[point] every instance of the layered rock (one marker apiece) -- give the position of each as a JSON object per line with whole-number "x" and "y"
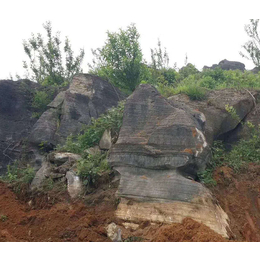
{"x": 160, "y": 149}
{"x": 88, "y": 96}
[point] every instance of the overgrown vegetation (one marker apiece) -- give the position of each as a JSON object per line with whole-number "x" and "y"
{"x": 19, "y": 175}
{"x": 244, "y": 152}
{"x": 93, "y": 166}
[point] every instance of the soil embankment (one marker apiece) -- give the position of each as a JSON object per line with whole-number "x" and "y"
{"x": 59, "y": 219}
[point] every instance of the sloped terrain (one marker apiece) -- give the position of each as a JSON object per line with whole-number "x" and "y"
{"x": 57, "y": 218}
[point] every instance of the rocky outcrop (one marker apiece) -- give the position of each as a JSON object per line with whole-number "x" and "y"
{"x": 162, "y": 145}
{"x": 88, "y": 96}
{"x": 227, "y": 65}
{"x": 60, "y": 166}
{"x": 219, "y": 122}
{"x": 15, "y": 118}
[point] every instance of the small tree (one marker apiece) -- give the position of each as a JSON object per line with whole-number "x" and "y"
{"x": 160, "y": 59}
{"x": 46, "y": 63}
{"x": 252, "y": 47}
{"x": 119, "y": 60}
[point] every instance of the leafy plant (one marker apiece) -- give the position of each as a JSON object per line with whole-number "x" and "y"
{"x": 252, "y": 47}
{"x": 3, "y": 218}
{"x": 120, "y": 59}
{"x": 17, "y": 173}
{"x": 90, "y": 168}
{"x": 46, "y": 64}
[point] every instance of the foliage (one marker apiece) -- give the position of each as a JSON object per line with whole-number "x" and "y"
{"x": 3, "y": 218}
{"x": 120, "y": 59}
{"x": 188, "y": 70}
{"x": 244, "y": 152}
{"x": 252, "y": 47}
{"x": 92, "y": 133}
{"x": 40, "y": 101}
{"x": 19, "y": 176}
{"x": 46, "y": 64}
{"x": 218, "y": 155}
{"x": 91, "y": 167}
{"x": 160, "y": 59}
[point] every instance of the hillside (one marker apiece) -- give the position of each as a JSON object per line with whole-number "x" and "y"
{"x": 164, "y": 163}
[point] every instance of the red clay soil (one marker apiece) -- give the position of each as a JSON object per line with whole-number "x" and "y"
{"x": 239, "y": 195}
{"x": 48, "y": 219}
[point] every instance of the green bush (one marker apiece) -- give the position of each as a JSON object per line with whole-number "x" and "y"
{"x": 19, "y": 176}
{"x": 91, "y": 167}
{"x": 40, "y": 101}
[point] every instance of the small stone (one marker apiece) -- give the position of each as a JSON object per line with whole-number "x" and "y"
{"x": 61, "y": 158}
{"x": 131, "y": 226}
{"x": 114, "y": 232}
{"x": 74, "y": 184}
{"x": 93, "y": 150}
{"x": 106, "y": 140}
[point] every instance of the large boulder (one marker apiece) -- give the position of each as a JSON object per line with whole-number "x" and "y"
{"x": 157, "y": 135}
{"x": 219, "y": 122}
{"x": 88, "y": 96}
{"x": 15, "y": 118}
{"x": 162, "y": 145}
{"x": 228, "y": 65}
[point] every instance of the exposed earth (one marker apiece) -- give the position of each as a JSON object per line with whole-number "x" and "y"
{"x": 55, "y": 217}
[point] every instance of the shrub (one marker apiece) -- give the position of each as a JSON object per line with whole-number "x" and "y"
{"x": 120, "y": 59}
{"x": 40, "y": 101}
{"x": 19, "y": 176}
{"x": 91, "y": 167}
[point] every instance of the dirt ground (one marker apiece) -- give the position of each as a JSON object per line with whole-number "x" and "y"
{"x": 48, "y": 217}
{"x": 239, "y": 195}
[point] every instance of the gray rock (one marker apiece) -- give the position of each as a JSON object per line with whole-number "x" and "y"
{"x": 58, "y": 101}
{"x": 93, "y": 150}
{"x": 41, "y": 174}
{"x": 157, "y": 135}
{"x": 114, "y": 232}
{"x": 255, "y": 70}
{"x": 59, "y": 158}
{"x": 228, "y": 65}
{"x": 160, "y": 149}
{"x": 16, "y": 119}
{"x": 88, "y": 96}
{"x": 219, "y": 122}
{"x": 106, "y": 140}
{"x": 43, "y": 131}
{"x": 74, "y": 184}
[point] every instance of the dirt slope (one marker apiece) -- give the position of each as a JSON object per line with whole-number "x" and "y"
{"x": 49, "y": 219}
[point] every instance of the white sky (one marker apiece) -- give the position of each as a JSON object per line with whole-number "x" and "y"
{"x": 208, "y": 31}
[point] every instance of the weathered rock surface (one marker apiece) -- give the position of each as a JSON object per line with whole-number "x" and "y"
{"x": 218, "y": 121}
{"x": 106, "y": 140}
{"x": 157, "y": 135}
{"x": 59, "y": 158}
{"x": 160, "y": 149}
{"x": 15, "y": 119}
{"x": 41, "y": 174}
{"x": 114, "y": 232}
{"x": 74, "y": 184}
{"x": 228, "y": 65}
{"x": 88, "y": 96}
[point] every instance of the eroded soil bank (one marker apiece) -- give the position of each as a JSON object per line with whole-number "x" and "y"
{"x": 54, "y": 217}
